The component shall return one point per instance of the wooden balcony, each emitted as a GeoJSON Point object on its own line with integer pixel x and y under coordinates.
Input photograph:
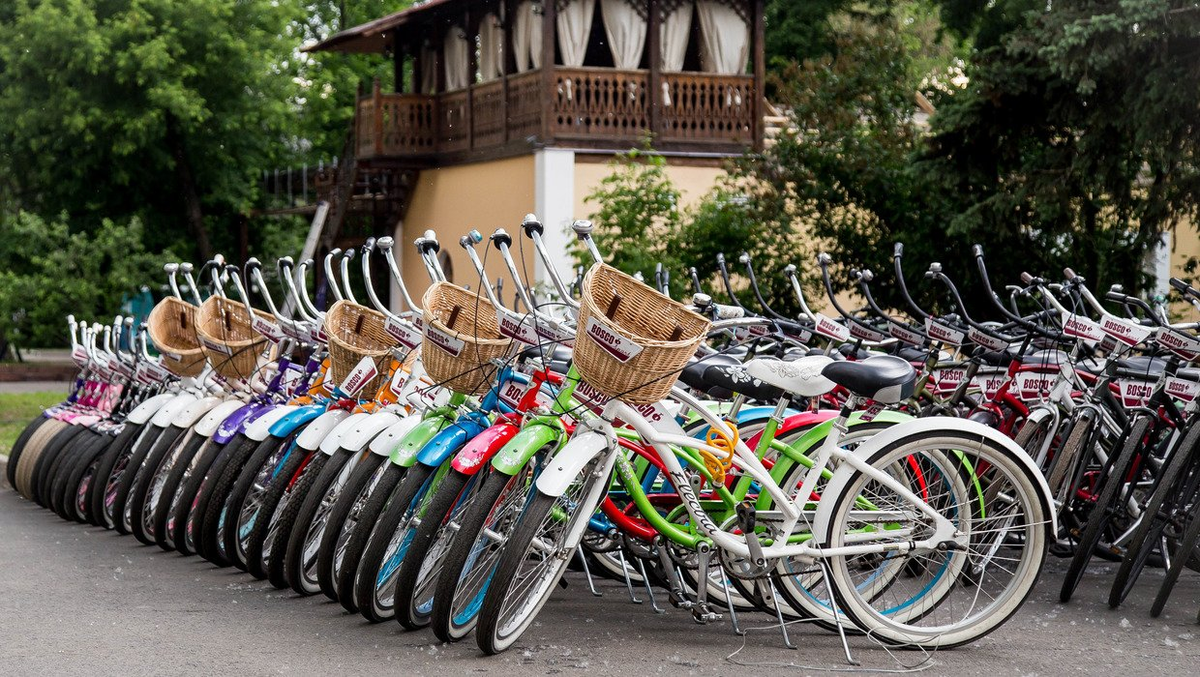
{"type": "Point", "coordinates": [587, 108]}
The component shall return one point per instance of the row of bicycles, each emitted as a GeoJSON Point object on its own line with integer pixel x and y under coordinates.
{"type": "Point", "coordinates": [445, 464]}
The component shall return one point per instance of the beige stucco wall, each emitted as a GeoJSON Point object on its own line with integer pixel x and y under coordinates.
{"type": "Point", "coordinates": [1185, 244]}
{"type": "Point", "coordinates": [453, 200]}
{"type": "Point", "coordinates": [692, 181]}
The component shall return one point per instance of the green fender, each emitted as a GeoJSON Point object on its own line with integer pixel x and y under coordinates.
{"type": "Point", "coordinates": [405, 453]}
{"type": "Point", "coordinates": [514, 455]}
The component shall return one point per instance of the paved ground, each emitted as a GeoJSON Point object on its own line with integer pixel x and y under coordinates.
{"type": "Point", "coordinates": [78, 600]}
{"type": "Point", "coordinates": [34, 387]}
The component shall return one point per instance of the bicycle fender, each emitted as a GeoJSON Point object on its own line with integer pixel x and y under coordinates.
{"type": "Point", "coordinates": [366, 429]}
{"type": "Point", "coordinates": [516, 453]}
{"type": "Point", "coordinates": [387, 440]}
{"type": "Point", "coordinates": [310, 438]}
{"type": "Point", "coordinates": [332, 441]}
{"type": "Point", "coordinates": [566, 465]}
{"type": "Point", "coordinates": [289, 422]}
{"type": "Point", "coordinates": [405, 453]}
{"type": "Point", "coordinates": [146, 410]}
{"type": "Point", "coordinates": [188, 416]}
{"type": "Point", "coordinates": [207, 425]}
{"type": "Point", "coordinates": [449, 441]}
{"type": "Point", "coordinates": [164, 416]}
{"type": "Point", "coordinates": [483, 447]}
{"type": "Point", "coordinates": [258, 426]}
{"type": "Point", "coordinates": [928, 426]}
{"type": "Point", "coordinates": [240, 419]}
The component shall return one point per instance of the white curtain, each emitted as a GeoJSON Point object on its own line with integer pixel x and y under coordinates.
{"type": "Point", "coordinates": [574, 26]}
{"type": "Point", "coordinates": [724, 38]}
{"type": "Point", "coordinates": [626, 32]}
{"type": "Point", "coordinates": [429, 66]}
{"type": "Point", "coordinates": [491, 48]}
{"type": "Point", "coordinates": [455, 51]}
{"type": "Point", "coordinates": [675, 31]}
{"type": "Point", "coordinates": [527, 36]}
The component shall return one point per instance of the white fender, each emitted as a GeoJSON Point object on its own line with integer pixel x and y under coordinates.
{"type": "Point", "coordinates": [310, 438]}
{"type": "Point", "coordinates": [920, 427]}
{"type": "Point", "coordinates": [167, 413]}
{"type": "Point", "coordinates": [261, 427]}
{"type": "Point", "coordinates": [566, 465]}
{"type": "Point", "coordinates": [385, 442]}
{"type": "Point", "coordinates": [366, 429]}
{"type": "Point", "coordinates": [333, 441]}
{"type": "Point", "coordinates": [188, 416]}
{"type": "Point", "coordinates": [144, 411]}
{"type": "Point", "coordinates": [212, 420]}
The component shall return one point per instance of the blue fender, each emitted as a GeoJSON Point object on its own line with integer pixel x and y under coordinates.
{"type": "Point", "coordinates": [454, 437]}
{"type": "Point", "coordinates": [296, 418]}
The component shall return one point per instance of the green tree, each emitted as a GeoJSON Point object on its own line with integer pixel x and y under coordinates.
{"type": "Point", "coordinates": [47, 272]}
{"type": "Point", "coordinates": [166, 110]}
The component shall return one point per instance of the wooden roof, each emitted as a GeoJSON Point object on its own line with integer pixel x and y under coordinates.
{"type": "Point", "coordinates": [375, 36]}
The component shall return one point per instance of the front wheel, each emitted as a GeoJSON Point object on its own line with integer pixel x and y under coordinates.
{"type": "Point", "coordinates": [535, 557]}
{"type": "Point", "coordinates": [962, 588]}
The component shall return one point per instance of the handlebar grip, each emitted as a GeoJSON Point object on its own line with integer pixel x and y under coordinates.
{"type": "Point", "coordinates": [170, 267]}
{"type": "Point", "coordinates": [790, 270]}
{"type": "Point", "coordinates": [977, 251]}
{"type": "Point", "coordinates": [1180, 285]}
{"type": "Point", "coordinates": [1114, 295]}
{"type": "Point", "coordinates": [724, 312]}
{"type": "Point", "coordinates": [384, 243]}
{"type": "Point", "coordinates": [252, 265]}
{"type": "Point", "coordinates": [531, 225]}
{"type": "Point", "coordinates": [867, 275]}
{"type": "Point", "coordinates": [720, 259]}
{"type": "Point", "coordinates": [186, 268]}
{"type": "Point", "coordinates": [824, 259]}
{"type": "Point", "coordinates": [1026, 278]}
{"type": "Point", "coordinates": [368, 245]}
{"type": "Point", "coordinates": [349, 253]}
{"type": "Point", "coordinates": [501, 237]}
{"type": "Point", "coordinates": [582, 227]}
{"type": "Point", "coordinates": [1070, 274]}
{"type": "Point", "coordinates": [898, 250]}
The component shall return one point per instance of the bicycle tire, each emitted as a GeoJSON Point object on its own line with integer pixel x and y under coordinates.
{"type": "Point", "coordinates": [453, 496]}
{"type": "Point", "coordinates": [172, 494]}
{"type": "Point", "coordinates": [1191, 536]}
{"type": "Point", "coordinates": [360, 534]}
{"type": "Point", "coordinates": [266, 525]}
{"type": "Point", "coordinates": [309, 524]}
{"type": "Point", "coordinates": [338, 526]}
{"type": "Point", "coordinates": [375, 556]}
{"type": "Point", "coordinates": [121, 445]}
{"type": "Point", "coordinates": [294, 499]}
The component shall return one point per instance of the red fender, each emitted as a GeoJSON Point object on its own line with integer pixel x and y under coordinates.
{"type": "Point", "coordinates": [480, 449]}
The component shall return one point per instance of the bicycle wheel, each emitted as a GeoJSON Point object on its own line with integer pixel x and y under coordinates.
{"type": "Point", "coordinates": [116, 454]}
{"type": "Point", "coordinates": [1191, 536]}
{"type": "Point", "coordinates": [198, 492]}
{"type": "Point", "coordinates": [535, 557]}
{"type": "Point", "coordinates": [173, 492]}
{"type": "Point", "coordinates": [134, 471]}
{"type": "Point", "coordinates": [358, 527]}
{"type": "Point", "coordinates": [343, 515]}
{"type": "Point", "coordinates": [1032, 436]}
{"type": "Point", "coordinates": [1105, 506]}
{"type": "Point", "coordinates": [14, 454]}
{"type": "Point", "coordinates": [309, 525]}
{"type": "Point", "coordinates": [81, 482]}
{"type": "Point", "coordinates": [1166, 502]}
{"type": "Point", "coordinates": [474, 550]}
{"type": "Point", "coordinates": [1079, 437]}
{"type": "Point", "coordinates": [944, 596]}
{"type": "Point", "coordinates": [144, 496]}
{"type": "Point", "coordinates": [283, 523]}
{"type": "Point", "coordinates": [247, 499]}
{"type": "Point", "coordinates": [259, 543]}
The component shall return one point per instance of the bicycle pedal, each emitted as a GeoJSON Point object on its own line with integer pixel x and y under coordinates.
{"type": "Point", "coordinates": [679, 601]}
{"type": "Point", "coordinates": [703, 614]}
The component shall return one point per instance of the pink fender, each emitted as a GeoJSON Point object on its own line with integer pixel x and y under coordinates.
{"type": "Point", "coordinates": [480, 449]}
{"type": "Point", "coordinates": [802, 420]}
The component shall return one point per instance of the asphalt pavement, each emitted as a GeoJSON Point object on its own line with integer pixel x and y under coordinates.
{"type": "Point", "coordinates": [78, 600]}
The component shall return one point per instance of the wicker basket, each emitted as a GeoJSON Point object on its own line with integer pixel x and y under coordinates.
{"type": "Point", "coordinates": [356, 332]}
{"type": "Point", "coordinates": [666, 332]}
{"type": "Point", "coordinates": [172, 327]}
{"type": "Point", "coordinates": [231, 345]}
{"type": "Point", "coordinates": [460, 357]}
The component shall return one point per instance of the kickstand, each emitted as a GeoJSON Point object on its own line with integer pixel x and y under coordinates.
{"type": "Point", "coordinates": [770, 596]}
{"type": "Point", "coordinates": [837, 613]}
{"type": "Point", "coordinates": [737, 628]}
{"type": "Point", "coordinates": [628, 583]}
{"type": "Point", "coordinates": [587, 572]}
{"type": "Point", "coordinates": [649, 590]}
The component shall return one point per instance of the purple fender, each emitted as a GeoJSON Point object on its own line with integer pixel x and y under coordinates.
{"type": "Point", "coordinates": [237, 421]}
{"type": "Point", "coordinates": [481, 448]}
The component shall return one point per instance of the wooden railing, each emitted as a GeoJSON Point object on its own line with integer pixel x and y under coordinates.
{"type": "Point", "coordinates": [592, 107]}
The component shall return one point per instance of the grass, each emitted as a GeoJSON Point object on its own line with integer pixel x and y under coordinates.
{"type": "Point", "coordinates": [17, 410]}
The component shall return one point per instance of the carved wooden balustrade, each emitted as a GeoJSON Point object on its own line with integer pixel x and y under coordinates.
{"type": "Point", "coordinates": [598, 108]}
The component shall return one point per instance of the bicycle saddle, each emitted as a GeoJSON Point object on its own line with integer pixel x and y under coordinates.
{"type": "Point", "coordinates": [801, 377]}
{"type": "Point", "coordinates": [884, 378]}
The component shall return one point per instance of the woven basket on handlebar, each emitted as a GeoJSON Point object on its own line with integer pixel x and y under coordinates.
{"type": "Point", "coordinates": [644, 317]}
{"type": "Point", "coordinates": [470, 371]}
{"type": "Point", "coordinates": [356, 332]}
{"type": "Point", "coordinates": [172, 327]}
{"type": "Point", "coordinates": [233, 347]}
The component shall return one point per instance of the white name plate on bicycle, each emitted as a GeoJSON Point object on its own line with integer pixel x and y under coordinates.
{"type": "Point", "coordinates": [860, 332]}
{"type": "Point", "coordinates": [947, 380]}
{"type": "Point", "coordinates": [446, 342]}
{"type": "Point", "coordinates": [989, 384]}
{"type": "Point", "coordinates": [1082, 327]}
{"type": "Point", "coordinates": [1179, 343]}
{"type": "Point", "coordinates": [1135, 393]}
{"type": "Point", "coordinates": [266, 328]}
{"type": "Point", "coordinates": [829, 328]}
{"type": "Point", "coordinates": [516, 329]}
{"type": "Point", "coordinates": [940, 332]}
{"type": "Point", "coordinates": [512, 392]}
{"type": "Point", "coordinates": [406, 334]}
{"type": "Point", "coordinates": [1032, 385]}
{"type": "Point", "coordinates": [618, 347]}
{"type": "Point", "coordinates": [1182, 389]}
{"type": "Point", "coordinates": [1125, 331]}
{"type": "Point", "coordinates": [908, 336]}
{"type": "Point", "coordinates": [986, 340]}
{"type": "Point", "coordinates": [217, 347]}
{"type": "Point", "coordinates": [359, 376]}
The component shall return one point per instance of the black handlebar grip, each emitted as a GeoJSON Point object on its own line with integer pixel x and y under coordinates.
{"type": "Point", "coordinates": [501, 237]}
{"type": "Point", "coordinates": [252, 265]}
{"type": "Point", "coordinates": [1180, 285]}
